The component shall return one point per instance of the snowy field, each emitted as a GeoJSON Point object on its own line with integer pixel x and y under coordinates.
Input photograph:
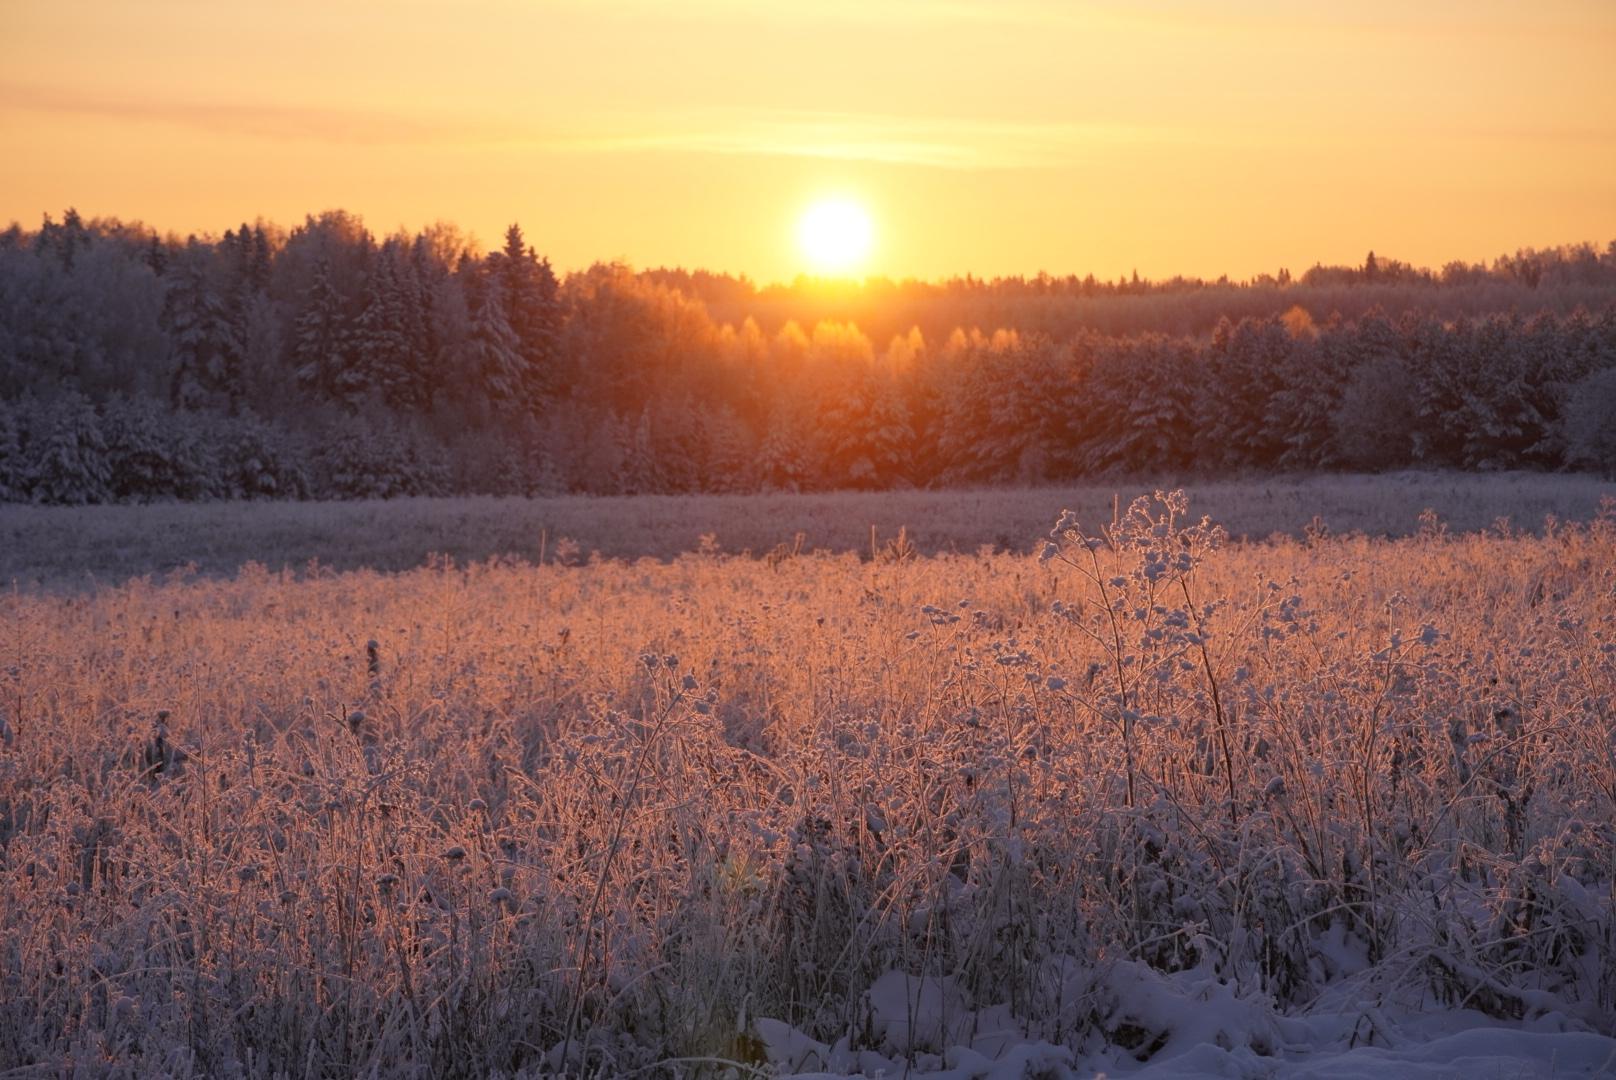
{"type": "Point", "coordinates": [78, 545]}
{"type": "Point", "coordinates": [1125, 798]}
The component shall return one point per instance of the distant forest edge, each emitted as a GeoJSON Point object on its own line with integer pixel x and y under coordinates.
{"type": "Point", "coordinates": [323, 362]}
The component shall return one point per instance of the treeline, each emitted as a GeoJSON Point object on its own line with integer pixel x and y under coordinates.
{"type": "Point", "coordinates": [1556, 279]}
{"type": "Point", "coordinates": [324, 362]}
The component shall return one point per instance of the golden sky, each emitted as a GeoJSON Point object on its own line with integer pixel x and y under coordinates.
{"type": "Point", "coordinates": [984, 136]}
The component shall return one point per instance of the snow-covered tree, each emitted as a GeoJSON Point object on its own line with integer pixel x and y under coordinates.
{"type": "Point", "coordinates": [63, 242]}
{"type": "Point", "coordinates": [253, 459]}
{"type": "Point", "coordinates": [787, 456]}
{"type": "Point", "coordinates": [152, 453]}
{"type": "Point", "coordinates": [1308, 391]}
{"type": "Point", "coordinates": [533, 310]}
{"type": "Point", "coordinates": [1374, 420]}
{"type": "Point", "coordinates": [1138, 405]}
{"type": "Point", "coordinates": [12, 485]}
{"type": "Point", "coordinates": [65, 457]}
{"type": "Point", "coordinates": [1589, 424]}
{"type": "Point", "coordinates": [320, 341]}
{"type": "Point", "coordinates": [207, 357]}
{"type": "Point", "coordinates": [380, 345]}
{"type": "Point", "coordinates": [363, 459]}
{"type": "Point", "coordinates": [1240, 374]}
{"type": "Point", "coordinates": [865, 426]}
{"type": "Point", "coordinates": [641, 472]}
{"type": "Point", "coordinates": [493, 355]}
{"type": "Point", "coordinates": [728, 459]}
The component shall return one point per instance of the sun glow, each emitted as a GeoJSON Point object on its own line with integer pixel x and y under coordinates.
{"type": "Point", "coordinates": [835, 235]}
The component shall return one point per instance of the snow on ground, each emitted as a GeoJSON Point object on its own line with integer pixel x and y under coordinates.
{"type": "Point", "coordinates": [1190, 1025]}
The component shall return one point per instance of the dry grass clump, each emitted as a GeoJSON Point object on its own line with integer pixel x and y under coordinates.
{"type": "Point", "coordinates": [486, 819]}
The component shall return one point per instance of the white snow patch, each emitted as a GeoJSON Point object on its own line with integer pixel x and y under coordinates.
{"type": "Point", "coordinates": [1189, 1025]}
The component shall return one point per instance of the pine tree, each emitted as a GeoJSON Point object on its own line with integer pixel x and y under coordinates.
{"type": "Point", "coordinates": [12, 486]}
{"type": "Point", "coordinates": [1241, 374]}
{"type": "Point", "coordinates": [786, 456]}
{"type": "Point", "coordinates": [596, 449]}
{"type": "Point", "coordinates": [136, 455]}
{"type": "Point", "coordinates": [1437, 359]}
{"type": "Point", "coordinates": [727, 458]}
{"type": "Point", "coordinates": [63, 241]}
{"type": "Point", "coordinates": [413, 305]}
{"type": "Point", "coordinates": [66, 457]}
{"type": "Point", "coordinates": [678, 442]}
{"type": "Point", "coordinates": [493, 354]}
{"type": "Point", "coordinates": [320, 337]}
{"type": "Point", "coordinates": [1001, 409]}
{"type": "Point", "coordinates": [963, 394]}
{"type": "Point", "coordinates": [1138, 404]}
{"type": "Point", "coordinates": [532, 307]}
{"type": "Point", "coordinates": [259, 259]}
{"type": "Point", "coordinates": [381, 348]}
{"type": "Point", "coordinates": [433, 288]}
{"type": "Point", "coordinates": [253, 333]}
{"type": "Point", "coordinates": [641, 473]}
{"type": "Point", "coordinates": [207, 356]}
{"type": "Point", "coordinates": [1586, 429]}
{"type": "Point", "coordinates": [1307, 396]}
{"type": "Point", "coordinates": [890, 443]}
{"type": "Point", "coordinates": [156, 256]}
{"type": "Point", "coordinates": [254, 460]}
{"type": "Point", "coordinates": [843, 427]}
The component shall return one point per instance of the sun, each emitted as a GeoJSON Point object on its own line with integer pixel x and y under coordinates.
{"type": "Point", "coordinates": [835, 235]}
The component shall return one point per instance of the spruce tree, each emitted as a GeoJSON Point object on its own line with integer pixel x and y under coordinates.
{"type": "Point", "coordinates": [641, 472]}
{"type": "Point", "coordinates": [381, 348]}
{"type": "Point", "coordinates": [66, 457]}
{"type": "Point", "coordinates": [532, 307]}
{"type": "Point", "coordinates": [207, 357]}
{"type": "Point", "coordinates": [493, 356]}
{"type": "Point", "coordinates": [320, 336]}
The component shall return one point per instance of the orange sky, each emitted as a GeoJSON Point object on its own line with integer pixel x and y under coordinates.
{"type": "Point", "coordinates": [985, 136]}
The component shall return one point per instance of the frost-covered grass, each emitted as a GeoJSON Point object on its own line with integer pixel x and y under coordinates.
{"type": "Point", "coordinates": [1154, 797]}
{"type": "Point", "coordinates": [75, 545]}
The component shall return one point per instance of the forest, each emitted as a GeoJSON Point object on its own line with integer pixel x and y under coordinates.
{"type": "Point", "coordinates": [323, 362]}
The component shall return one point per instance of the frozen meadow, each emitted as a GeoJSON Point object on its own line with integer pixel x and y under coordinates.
{"type": "Point", "coordinates": [1125, 796]}
{"type": "Point", "coordinates": [82, 545]}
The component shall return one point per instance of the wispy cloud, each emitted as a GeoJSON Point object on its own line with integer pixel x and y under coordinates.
{"type": "Point", "coordinates": [314, 123]}
{"type": "Point", "coordinates": [866, 12]}
{"type": "Point", "coordinates": [923, 141]}
{"type": "Point", "coordinates": [931, 142]}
